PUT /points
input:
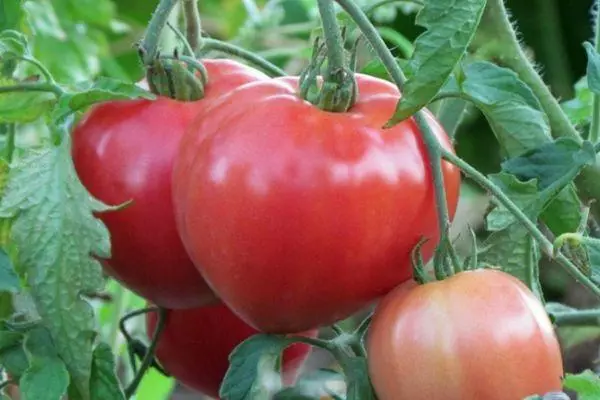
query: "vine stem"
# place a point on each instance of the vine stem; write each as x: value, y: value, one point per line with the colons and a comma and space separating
x: 10, y: 142
x: 47, y: 75
x: 595, y: 125
x: 236, y: 51
x: 431, y: 142
x: 513, y: 56
x: 545, y: 244
x: 33, y: 87
x: 193, y: 26
x: 149, y: 45
x: 577, y: 318
x: 149, y: 356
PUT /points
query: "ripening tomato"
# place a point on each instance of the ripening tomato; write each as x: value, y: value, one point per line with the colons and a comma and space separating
x: 195, y: 344
x: 124, y: 150
x: 299, y: 217
x: 477, y: 335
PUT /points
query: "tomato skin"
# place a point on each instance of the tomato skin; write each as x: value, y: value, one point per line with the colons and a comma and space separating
x: 124, y: 150
x: 477, y: 335
x: 298, y: 217
x: 195, y: 346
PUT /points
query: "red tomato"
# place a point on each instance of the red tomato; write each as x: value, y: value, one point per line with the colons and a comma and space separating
x: 124, y: 150
x: 195, y: 346
x: 299, y: 217
x: 477, y: 335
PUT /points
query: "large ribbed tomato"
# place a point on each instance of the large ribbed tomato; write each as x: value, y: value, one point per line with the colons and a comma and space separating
x: 195, y: 344
x: 477, y: 335
x: 299, y: 217
x: 124, y: 150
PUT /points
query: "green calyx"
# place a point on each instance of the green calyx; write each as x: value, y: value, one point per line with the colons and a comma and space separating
x: 338, y: 92
x: 174, y: 78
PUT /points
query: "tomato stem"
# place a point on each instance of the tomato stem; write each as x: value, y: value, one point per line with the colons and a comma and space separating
x: 33, y: 87
x: 149, y: 45
x: 545, y: 244
x: 193, y: 25
x: 236, y: 51
x: 149, y: 357
x: 577, y: 317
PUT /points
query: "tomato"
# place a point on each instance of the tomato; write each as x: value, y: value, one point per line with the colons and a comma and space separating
x: 299, y: 217
x: 195, y: 344
x: 477, y: 335
x: 124, y: 150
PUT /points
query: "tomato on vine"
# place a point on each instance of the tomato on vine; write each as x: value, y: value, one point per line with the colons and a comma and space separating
x: 195, y: 344
x: 124, y: 150
x: 298, y: 217
x: 477, y: 335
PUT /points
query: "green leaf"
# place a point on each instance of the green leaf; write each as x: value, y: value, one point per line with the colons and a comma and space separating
x: 450, y: 28
x: 12, y: 43
x: 57, y: 256
x: 489, y: 84
x: 45, y: 379
x: 519, y: 125
x: 312, y: 385
x: 524, y: 194
x: 586, y: 384
x: 71, y: 50
x: 508, y: 104
x: 9, y: 339
x: 551, y: 162
x: 548, y: 169
x: 579, y: 108
x: 104, y: 383
x: 95, y: 12
x: 252, y: 364
x: 9, y: 281
x: 514, y: 251
x: 103, y: 89
x: 357, y: 378
x: 14, y: 360
x: 22, y: 107
x: 11, y: 14
x: 593, y: 68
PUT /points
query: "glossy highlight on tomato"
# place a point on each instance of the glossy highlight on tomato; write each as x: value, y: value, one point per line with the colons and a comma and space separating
x: 195, y: 344
x: 477, y: 335
x: 299, y: 217
x: 124, y: 151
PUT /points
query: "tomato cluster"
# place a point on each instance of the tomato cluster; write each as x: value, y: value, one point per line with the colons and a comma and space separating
x: 254, y: 210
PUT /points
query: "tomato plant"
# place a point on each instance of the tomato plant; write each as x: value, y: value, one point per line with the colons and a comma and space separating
x: 124, y: 151
x: 272, y: 218
x: 196, y: 344
x: 468, y: 334
x: 135, y: 154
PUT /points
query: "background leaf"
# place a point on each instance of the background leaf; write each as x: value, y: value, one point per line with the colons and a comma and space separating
x: 593, y: 68
x: 104, y: 383
x: 510, y: 111
x: 586, y: 384
x: 450, y: 28
x: 9, y: 281
x: 249, y: 362
x: 57, y: 260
